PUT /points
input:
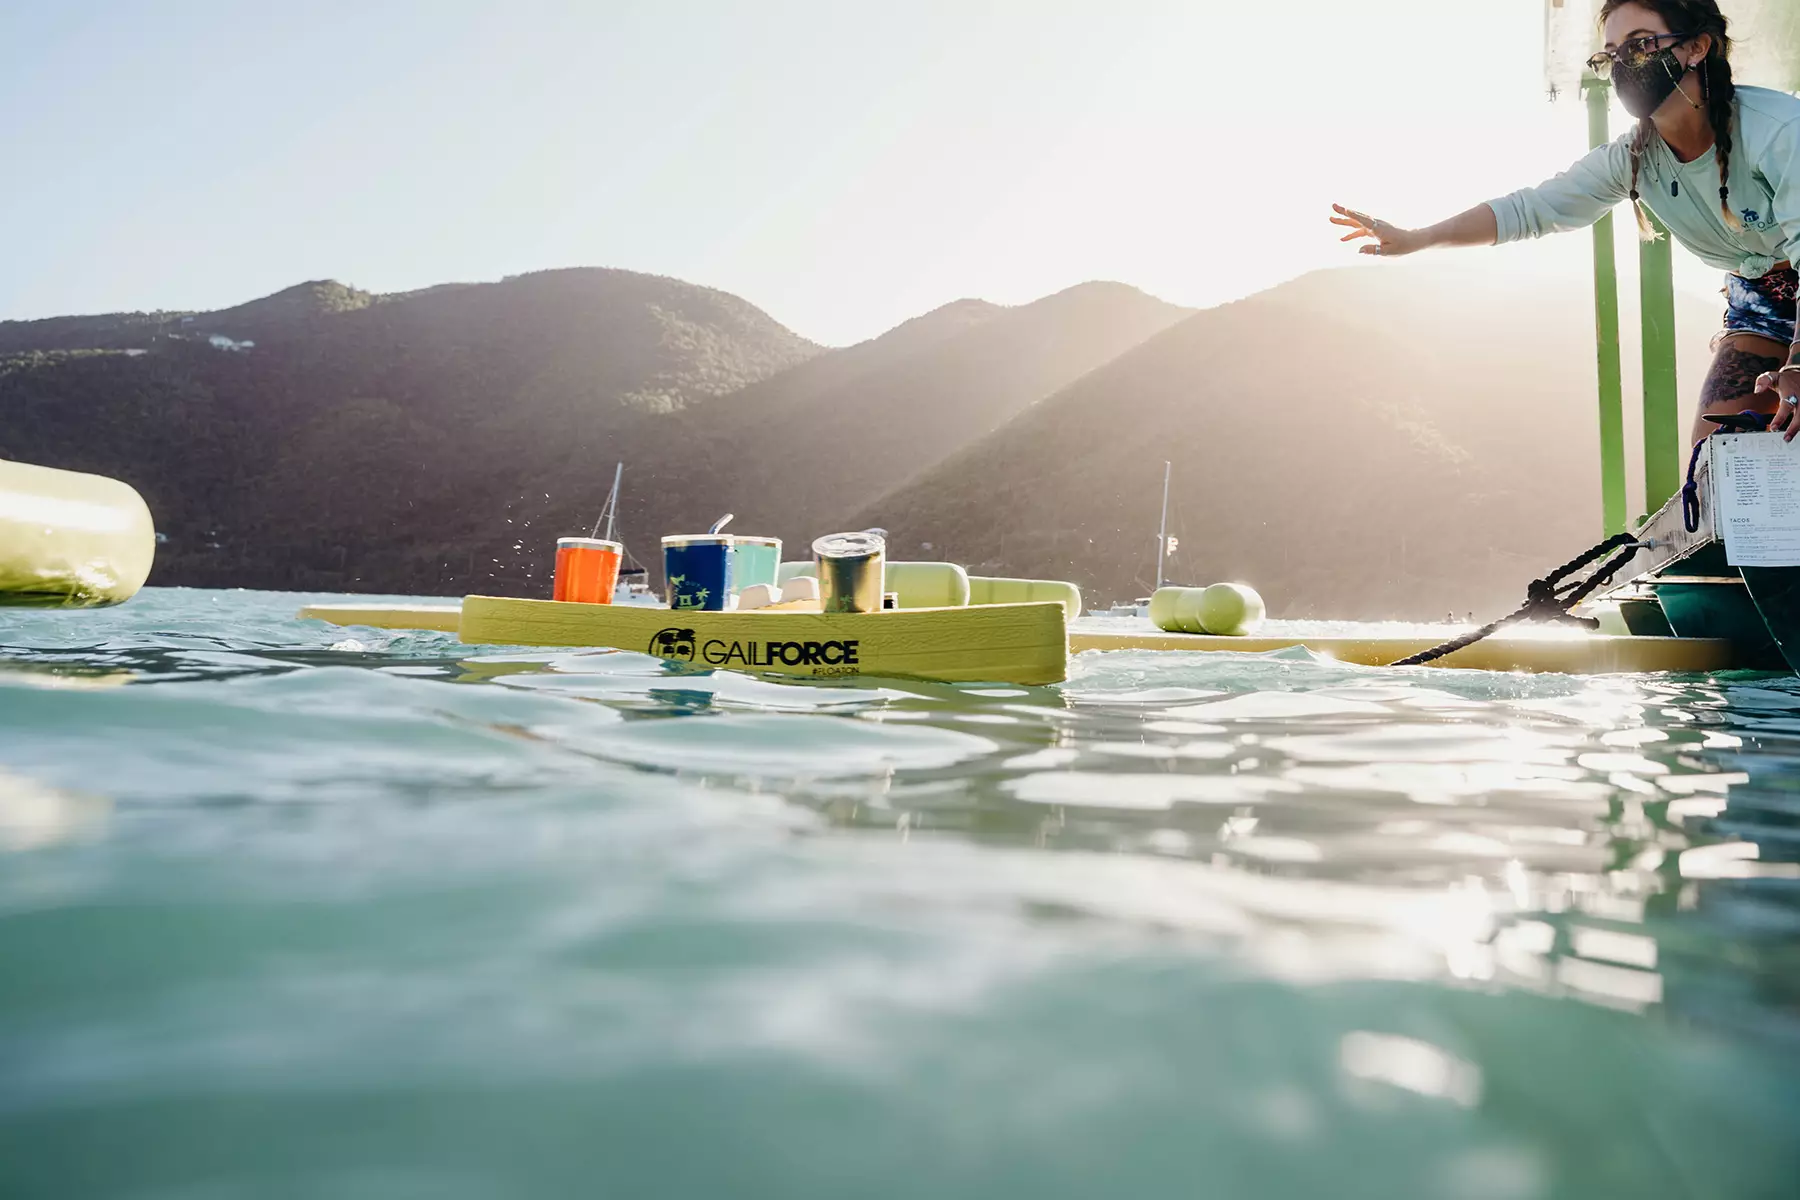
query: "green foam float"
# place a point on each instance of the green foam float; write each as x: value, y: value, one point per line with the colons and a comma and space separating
x: 1223, y: 610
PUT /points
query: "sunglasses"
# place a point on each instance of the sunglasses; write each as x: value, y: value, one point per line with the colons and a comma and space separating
x: 1634, y: 53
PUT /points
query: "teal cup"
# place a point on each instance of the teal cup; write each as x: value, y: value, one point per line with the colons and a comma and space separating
x: 755, y: 560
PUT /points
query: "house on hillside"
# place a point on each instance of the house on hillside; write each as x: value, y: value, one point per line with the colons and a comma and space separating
x: 220, y: 342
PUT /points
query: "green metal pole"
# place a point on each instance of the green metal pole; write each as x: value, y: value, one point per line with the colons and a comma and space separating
x: 1606, y: 331
x: 1662, y: 437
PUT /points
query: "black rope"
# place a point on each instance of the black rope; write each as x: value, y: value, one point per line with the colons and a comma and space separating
x: 1690, y: 491
x: 1549, y: 598
x: 1545, y: 599
x: 1747, y: 421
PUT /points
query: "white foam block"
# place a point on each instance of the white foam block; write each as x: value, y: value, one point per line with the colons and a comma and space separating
x: 757, y: 595
x: 800, y: 587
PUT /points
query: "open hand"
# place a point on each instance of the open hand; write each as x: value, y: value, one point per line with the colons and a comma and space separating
x: 1391, y: 241
x: 1786, y: 385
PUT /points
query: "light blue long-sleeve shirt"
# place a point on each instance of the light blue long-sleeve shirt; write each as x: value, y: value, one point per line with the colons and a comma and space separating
x: 1765, y: 190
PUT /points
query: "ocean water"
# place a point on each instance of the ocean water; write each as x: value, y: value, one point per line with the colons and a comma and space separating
x: 295, y: 911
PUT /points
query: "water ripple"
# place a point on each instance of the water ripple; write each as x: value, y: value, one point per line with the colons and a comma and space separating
x: 352, y: 912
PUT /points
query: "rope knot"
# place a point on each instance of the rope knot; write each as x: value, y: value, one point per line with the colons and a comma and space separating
x: 1548, y: 599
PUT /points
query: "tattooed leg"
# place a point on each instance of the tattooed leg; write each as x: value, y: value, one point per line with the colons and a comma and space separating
x: 1731, y: 384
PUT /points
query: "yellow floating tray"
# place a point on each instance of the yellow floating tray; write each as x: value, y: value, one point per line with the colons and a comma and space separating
x: 998, y: 643
x: 1001, y: 643
x: 1591, y: 654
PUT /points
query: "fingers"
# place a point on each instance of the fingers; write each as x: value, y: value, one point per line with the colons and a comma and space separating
x: 1362, y: 225
x: 1786, y: 418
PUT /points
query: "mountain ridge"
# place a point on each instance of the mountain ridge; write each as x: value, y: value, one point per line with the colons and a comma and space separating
x: 1364, y: 442
x: 329, y: 437
x: 1426, y: 470
x: 875, y: 413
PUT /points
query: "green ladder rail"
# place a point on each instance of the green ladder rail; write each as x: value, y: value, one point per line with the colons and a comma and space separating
x: 1662, y: 436
x: 1656, y: 297
x: 1606, y: 331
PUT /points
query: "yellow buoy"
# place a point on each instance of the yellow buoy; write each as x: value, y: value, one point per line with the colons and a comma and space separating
x: 69, y: 540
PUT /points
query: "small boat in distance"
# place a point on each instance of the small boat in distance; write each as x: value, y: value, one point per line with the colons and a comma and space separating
x: 1164, y: 546
x: 634, y: 589
x: 1135, y: 608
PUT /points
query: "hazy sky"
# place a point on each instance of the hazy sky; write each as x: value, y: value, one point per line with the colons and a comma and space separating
x: 844, y: 164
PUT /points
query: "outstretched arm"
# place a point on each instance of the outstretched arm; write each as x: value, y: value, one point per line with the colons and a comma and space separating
x: 1574, y: 199
x: 1476, y: 227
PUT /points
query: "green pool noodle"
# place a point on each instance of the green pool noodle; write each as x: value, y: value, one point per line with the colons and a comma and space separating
x: 1187, y: 611
x: 988, y: 589
x: 788, y: 570
x: 1230, y: 610
x: 928, y: 584
x: 1163, y: 607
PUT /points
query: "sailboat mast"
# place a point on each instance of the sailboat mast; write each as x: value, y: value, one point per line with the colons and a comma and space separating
x: 612, y: 501
x: 1162, y: 530
x: 609, y: 512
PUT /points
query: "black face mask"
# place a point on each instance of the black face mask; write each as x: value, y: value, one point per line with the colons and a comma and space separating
x: 1642, y: 90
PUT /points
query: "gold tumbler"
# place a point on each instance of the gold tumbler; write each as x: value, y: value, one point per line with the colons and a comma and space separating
x: 852, y: 568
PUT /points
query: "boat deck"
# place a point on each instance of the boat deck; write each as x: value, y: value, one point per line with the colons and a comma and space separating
x: 1682, y: 583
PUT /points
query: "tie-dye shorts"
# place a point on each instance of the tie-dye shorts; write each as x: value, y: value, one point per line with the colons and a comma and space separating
x: 1762, y: 306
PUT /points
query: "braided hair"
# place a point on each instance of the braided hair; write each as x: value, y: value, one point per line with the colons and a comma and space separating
x: 1717, y: 92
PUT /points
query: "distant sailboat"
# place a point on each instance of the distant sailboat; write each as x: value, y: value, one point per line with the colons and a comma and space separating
x: 1141, y: 606
x: 634, y: 581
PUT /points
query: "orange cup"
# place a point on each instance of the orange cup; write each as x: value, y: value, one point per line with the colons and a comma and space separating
x: 587, y: 570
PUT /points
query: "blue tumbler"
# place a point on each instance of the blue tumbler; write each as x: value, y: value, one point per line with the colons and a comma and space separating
x: 697, y: 571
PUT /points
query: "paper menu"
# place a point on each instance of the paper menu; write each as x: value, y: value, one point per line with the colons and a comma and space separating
x: 1756, y: 497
